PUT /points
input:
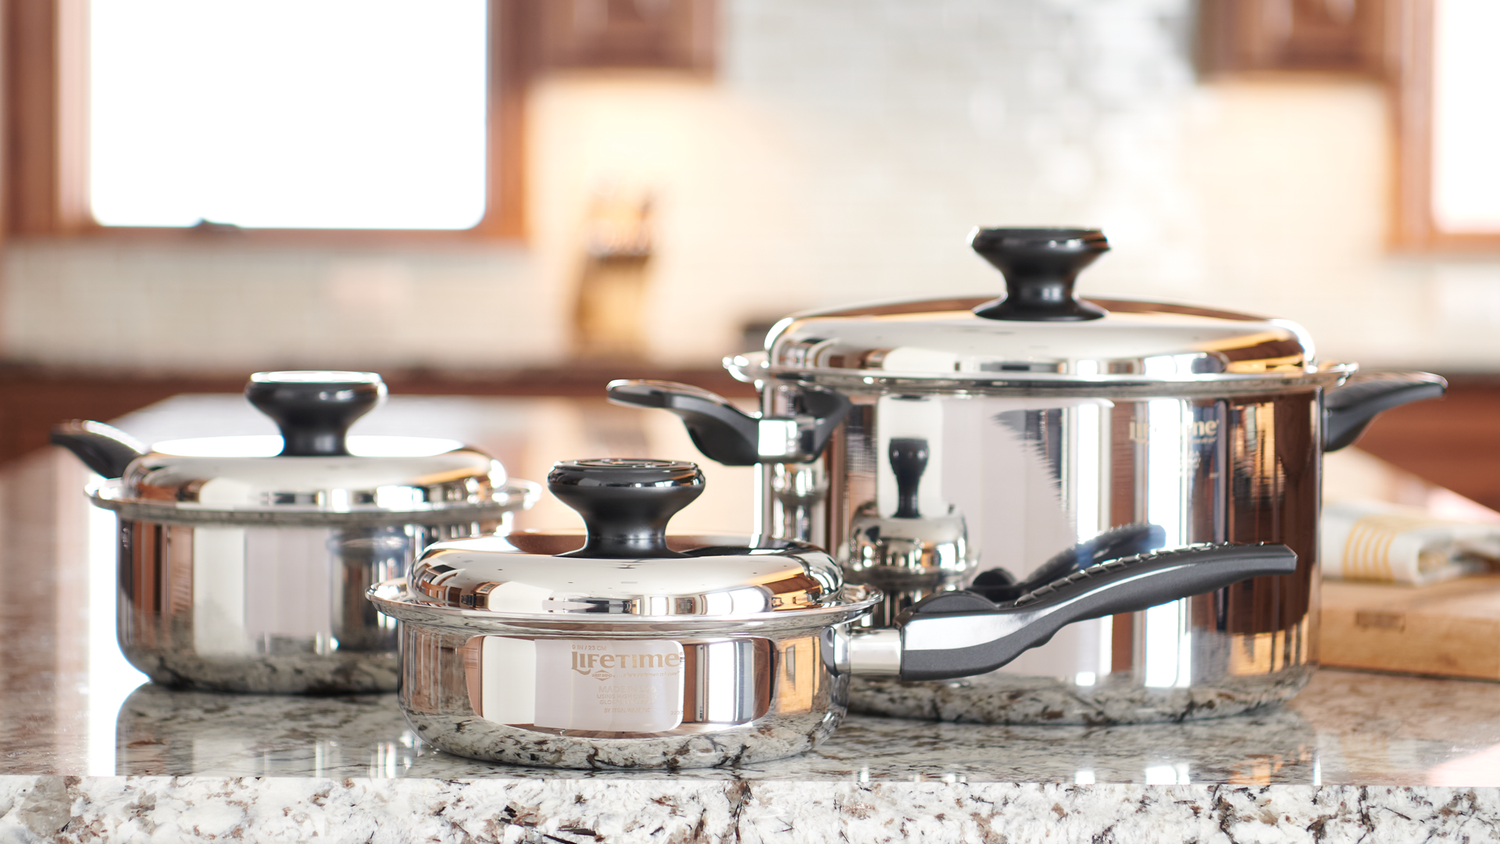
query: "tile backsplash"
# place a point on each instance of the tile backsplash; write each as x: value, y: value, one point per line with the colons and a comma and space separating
x: 842, y: 154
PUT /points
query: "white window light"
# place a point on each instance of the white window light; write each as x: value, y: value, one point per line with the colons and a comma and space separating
x: 358, y: 114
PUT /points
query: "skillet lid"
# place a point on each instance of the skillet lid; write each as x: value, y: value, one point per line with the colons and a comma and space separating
x: 623, y: 564
x: 313, y: 472
x: 1041, y: 332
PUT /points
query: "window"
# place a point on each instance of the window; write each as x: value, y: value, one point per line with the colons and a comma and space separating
x: 361, y: 114
x: 1448, y: 179
x: 146, y: 116
x: 1439, y: 61
x: 1465, y: 122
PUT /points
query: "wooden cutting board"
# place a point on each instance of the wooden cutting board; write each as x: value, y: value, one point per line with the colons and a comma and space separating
x: 1449, y: 629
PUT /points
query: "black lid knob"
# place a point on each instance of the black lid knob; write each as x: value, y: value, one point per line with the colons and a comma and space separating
x: 625, y: 503
x: 314, y: 408
x: 1040, y: 267
x: 908, y: 461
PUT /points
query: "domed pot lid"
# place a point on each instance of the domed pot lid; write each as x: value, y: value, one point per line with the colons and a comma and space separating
x: 623, y: 566
x: 1040, y: 332
x: 313, y: 473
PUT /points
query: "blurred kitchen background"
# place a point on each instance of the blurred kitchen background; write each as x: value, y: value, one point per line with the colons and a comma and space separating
x: 680, y: 173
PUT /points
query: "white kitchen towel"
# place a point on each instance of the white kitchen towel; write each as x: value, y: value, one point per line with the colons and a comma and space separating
x: 1363, y: 540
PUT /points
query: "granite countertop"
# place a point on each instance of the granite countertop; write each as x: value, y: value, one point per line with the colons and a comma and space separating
x: 88, y: 751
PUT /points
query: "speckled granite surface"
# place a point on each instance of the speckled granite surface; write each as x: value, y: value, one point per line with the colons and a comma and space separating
x: 364, y: 810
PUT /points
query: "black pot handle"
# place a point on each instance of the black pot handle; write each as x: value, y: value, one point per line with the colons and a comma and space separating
x: 960, y: 634
x: 314, y: 409
x: 726, y: 434
x: 1350, y: 407
x: 103, y: 448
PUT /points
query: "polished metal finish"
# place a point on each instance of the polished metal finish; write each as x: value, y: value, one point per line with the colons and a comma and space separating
x: 622, y: 690
x: 1033, y: 475
x: 521, y: 574
x: 907, y: 558
x: 876, y: 653
x: 273, y: 609
x: 248, y: 573
x: 624, y: 647
x: 1136, y: 342
x: 241, y: 478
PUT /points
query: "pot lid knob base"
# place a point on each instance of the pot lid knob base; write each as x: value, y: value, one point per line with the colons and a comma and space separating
x: 314, y: 409
x: 625, y: 503
x: 1040, y: 267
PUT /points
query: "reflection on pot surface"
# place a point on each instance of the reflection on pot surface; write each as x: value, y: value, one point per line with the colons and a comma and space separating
x: 623, y: 702
x: 1042, y: 422
x: 243, y: 561
x: 268, y: 609
x: 1239, y: 469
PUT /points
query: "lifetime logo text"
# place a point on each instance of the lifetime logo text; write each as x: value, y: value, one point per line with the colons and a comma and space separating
x: 1202, y: 429
x: 587, y: 663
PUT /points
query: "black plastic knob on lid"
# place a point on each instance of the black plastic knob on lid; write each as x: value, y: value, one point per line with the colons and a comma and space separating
x: 908, y: 461
x: 314, y: 409
x: 1040, y: 267
x: 625, y: 503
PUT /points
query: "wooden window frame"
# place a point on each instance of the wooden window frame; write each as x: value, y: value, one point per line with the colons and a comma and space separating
x: 1413, y: 225
x: 1386, y: 40
x: 44, y: 178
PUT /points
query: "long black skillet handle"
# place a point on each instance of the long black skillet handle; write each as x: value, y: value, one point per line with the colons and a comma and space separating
x: 960, y: 634
x: 103, y: 448
x: 1351, y: 406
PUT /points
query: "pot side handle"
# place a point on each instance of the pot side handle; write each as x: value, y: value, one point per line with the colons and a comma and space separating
x: 960, y: 634
x: 103, y: 448
x: 1349, y: 408
x: 728, y: 435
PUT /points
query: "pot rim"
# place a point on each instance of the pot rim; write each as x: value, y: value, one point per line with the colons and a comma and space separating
x: 392, y: 597
x: 515, y: 495
x: 754, y: 367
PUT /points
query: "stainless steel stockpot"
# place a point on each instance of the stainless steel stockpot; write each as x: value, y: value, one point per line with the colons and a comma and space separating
x: 926, y: 442
x: 244, y: 561
x: 626, y: 648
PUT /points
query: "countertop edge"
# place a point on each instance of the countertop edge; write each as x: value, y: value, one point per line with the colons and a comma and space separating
x: 203, y: 808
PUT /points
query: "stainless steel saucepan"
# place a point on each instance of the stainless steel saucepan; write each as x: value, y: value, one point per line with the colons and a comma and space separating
x: 624, y: 647
x: 244, y: 561
x: 925, y: 442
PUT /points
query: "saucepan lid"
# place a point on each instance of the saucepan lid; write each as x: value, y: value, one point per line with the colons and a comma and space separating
x: 1039, y: 333
x: 313, y: 473
x: 624, y: 567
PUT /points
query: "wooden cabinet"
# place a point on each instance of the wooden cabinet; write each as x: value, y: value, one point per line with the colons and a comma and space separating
x: 1330, y: 36
x: 627, y: 34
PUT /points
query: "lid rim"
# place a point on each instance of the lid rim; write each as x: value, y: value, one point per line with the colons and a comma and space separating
x: 1057, y: 382
x: 1137, y: 342
x: 517, y: 494
x: 393, y: 598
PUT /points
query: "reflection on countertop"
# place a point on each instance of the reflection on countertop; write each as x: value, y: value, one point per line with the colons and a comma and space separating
x: 1345, y: 728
